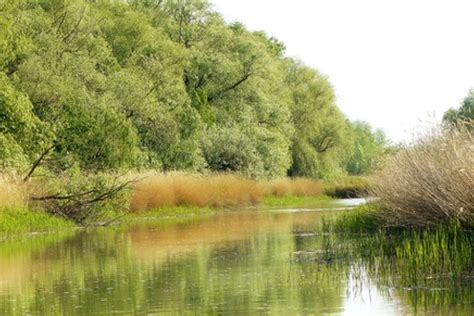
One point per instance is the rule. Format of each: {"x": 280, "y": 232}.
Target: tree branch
{"x": 37, "y": 163}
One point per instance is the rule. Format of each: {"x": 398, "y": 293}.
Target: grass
{"x": 292, "y": 187}
{"x": 361, "y": 220}
{"x": 407, "y": 257}
{"x": 12, "y": 192}
{"x": 175, "y": 189}
{"x": 296, "y": 201}
{"x": 221, "y": 190}
{"x": 160, "y": 195}
{"x": 181, "y": 210}
{"x": 14, "y": 220}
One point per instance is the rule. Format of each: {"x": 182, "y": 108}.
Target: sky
{"x": 397, "y": 64}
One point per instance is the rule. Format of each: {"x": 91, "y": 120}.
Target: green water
{"x": 249, "y": 262}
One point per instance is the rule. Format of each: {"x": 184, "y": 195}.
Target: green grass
{"x": 170, "y": 211}
{"x": 360, "y": 220}
{"x": 435, "y": 257}
{"x": 297, "y": 201}
{"x": 21, "y": 220}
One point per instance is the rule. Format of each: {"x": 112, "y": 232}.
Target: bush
{"x": 348, "y": 187}
{"x": 429, "y": 182}
{"x": 86, "y": 199}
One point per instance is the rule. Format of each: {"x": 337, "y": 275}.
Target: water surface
{"x": 240, "y": 262}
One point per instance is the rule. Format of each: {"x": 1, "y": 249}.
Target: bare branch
{"x": 37, "y": 163}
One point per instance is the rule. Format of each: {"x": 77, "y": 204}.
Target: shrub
{"x": 429, "y": 182}
{"x": 348, "y": 187}
{"x": 86, "y": 199}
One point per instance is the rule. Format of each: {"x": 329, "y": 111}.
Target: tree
{"x": 319, "y": 125}
{"x": 368, "y": 147}
{"x": 462, "y": 114}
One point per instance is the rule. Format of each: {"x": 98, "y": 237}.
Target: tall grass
{"x": 199, "y": 190}
{"x": 216, "y": 190}
{"x": 13, "y": 193}
{"x": 430, "y": 181}
{"x": 293, "y": 186}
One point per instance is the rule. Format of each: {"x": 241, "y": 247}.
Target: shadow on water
{"x": 236, "y": 263}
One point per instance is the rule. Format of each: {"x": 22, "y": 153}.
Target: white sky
{"x": 392, "y": 63}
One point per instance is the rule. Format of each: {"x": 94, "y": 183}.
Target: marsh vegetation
{"x": 162, "y": 115}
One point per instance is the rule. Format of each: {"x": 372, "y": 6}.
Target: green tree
{"x": 368, "y": 148}
{"x": 464, "y": 113}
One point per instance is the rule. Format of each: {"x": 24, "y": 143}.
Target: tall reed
{"x": 12, "y": 192}
{"x": 189, "y": 189}
{"x": 215, "y": 190}
{"x": 430, "y": 181}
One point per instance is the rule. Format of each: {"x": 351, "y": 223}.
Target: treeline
{"x": 464, "y": 114}
{"x": 167, "y": 85}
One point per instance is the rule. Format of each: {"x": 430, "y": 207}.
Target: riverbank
{"x": 157, "y": 196}
{"x": 18, "y": 220}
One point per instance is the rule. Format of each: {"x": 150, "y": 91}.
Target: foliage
{"x": 347, "y": 187}
{"x": 85, "y": 199}
{"x": 464, "y": 113}
{"x": 368, "y": 148}
{"x": 167, "y": 85}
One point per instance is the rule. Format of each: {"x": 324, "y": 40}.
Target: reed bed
{"x": 294, "y": 187}
{"x": 173, "y": 189}
{"x": 216, "y": 190}
{"x": 13, "y": 193}
{"x": 429, "y": 182}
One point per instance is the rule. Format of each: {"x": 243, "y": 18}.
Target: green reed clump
{"x": 441, "y": 256}
{"x": 437, "y": 256}
{"x": 362, "y": 219}
{"x": 444, "y": 252}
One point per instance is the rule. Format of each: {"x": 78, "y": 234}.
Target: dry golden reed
{"x": 217, "y": 190}
{"x": 429, "y": 182}
{"x": 294, "y": 186}
{"x": 12, "y": 193}
{"x": 200, "y": 190}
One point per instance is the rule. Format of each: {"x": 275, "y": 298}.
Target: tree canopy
{"x": 167, "y": 85}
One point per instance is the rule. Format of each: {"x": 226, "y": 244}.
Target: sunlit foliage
{"x": 168, "y": 85}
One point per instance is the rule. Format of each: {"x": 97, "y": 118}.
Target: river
{"x": 235, "y": 262}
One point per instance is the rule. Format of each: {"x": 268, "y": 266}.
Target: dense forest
{"x": 164, "y": 85}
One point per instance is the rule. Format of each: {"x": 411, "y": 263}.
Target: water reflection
{"x": 234, "y": 263}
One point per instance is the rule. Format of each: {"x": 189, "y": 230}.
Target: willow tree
{"x": 319, "y": 125}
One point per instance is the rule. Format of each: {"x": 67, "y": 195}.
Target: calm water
{"x": 246, "y": 262}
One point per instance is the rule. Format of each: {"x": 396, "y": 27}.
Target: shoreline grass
{"x": 172, "y": 194}
{"x": 439, "y": 256}
{"x": 296, "y": 201}
{"x": 17, "y": 220}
